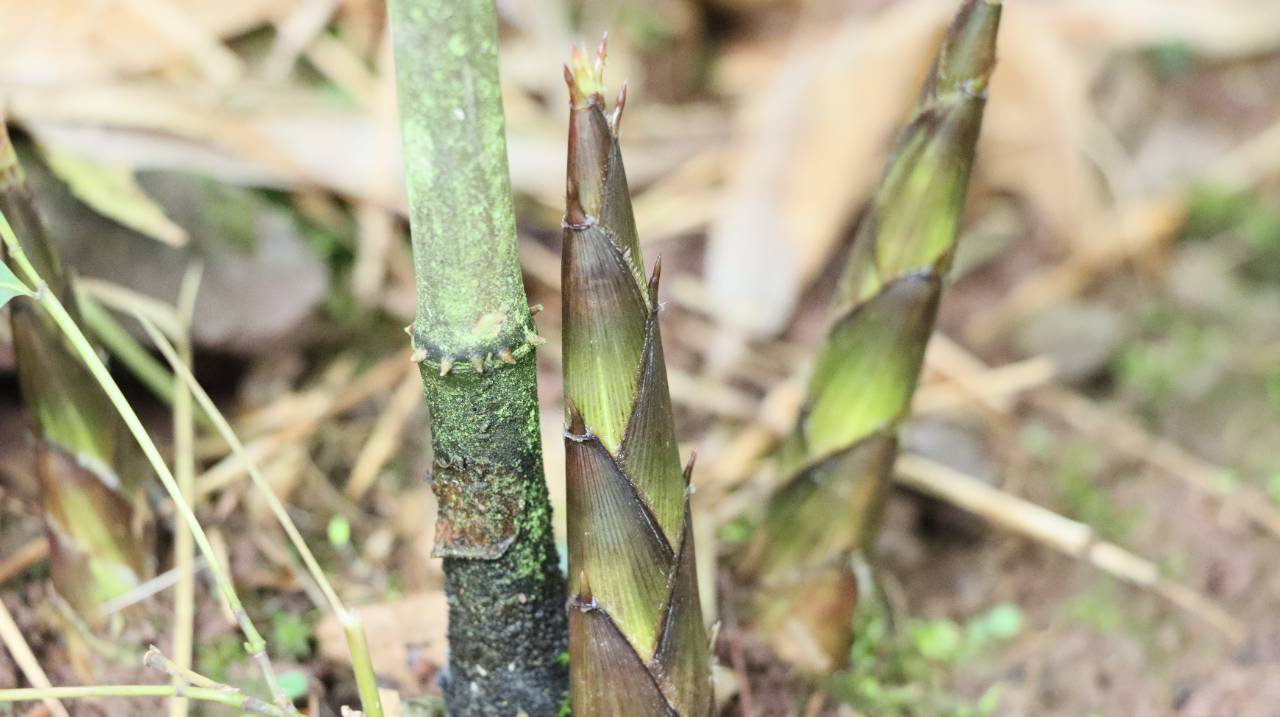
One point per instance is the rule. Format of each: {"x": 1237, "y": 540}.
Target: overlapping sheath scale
{"x": 637, "y": 643}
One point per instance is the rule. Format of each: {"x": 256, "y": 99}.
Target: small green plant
{"x": 904, "y": 672}
{"x": 1083, "y": 499}
{"x": 290, "y": 635}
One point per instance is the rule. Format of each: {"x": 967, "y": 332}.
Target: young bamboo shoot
{"x": 838, "y": 462}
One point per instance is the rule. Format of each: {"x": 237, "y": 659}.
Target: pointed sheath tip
{"x": 688, "y": 469}
{"x": 615, "y": 119}
{"x": 574, "y": 214}
{"x": 655, "y": 278}
{"x": 577, "y": 426}
{"x": 568, "y": 79}
{"x": 446, "y": 365}
{"x": 713, "y": 634}
{"x": 584, "y": 595}
{"x": 968, "y": 54}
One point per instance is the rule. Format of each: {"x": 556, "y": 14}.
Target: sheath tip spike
{"x": 584, "y": 595}
{"x": 655, "y": 277}
{"x": 615, "y": 120}
{"x": 577, "y": 426}
{"x": 688, "y": 469}
{"x": 574, "y": 214}
{"x": 446, "y": 365}
{"x": 968, "y": 54}
{"x": 568, "y": 79}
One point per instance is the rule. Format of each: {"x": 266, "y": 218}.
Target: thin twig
{"x": 181, "y": 675}
{"x": 154, "y": 586}
{"x": 293, "y": 33}
{"x": 242, "y": 702}
{"x": 48, "y": 300}
{"x": 384, "y": 439}
{"x": 184, "y": 466}
{"x": 359, "y": 652}
{"x": 31, "y": 552}
{"x": 379, "y": 378}
{"x": 1124, "y": 436}
{"x": 1067, "y": 536}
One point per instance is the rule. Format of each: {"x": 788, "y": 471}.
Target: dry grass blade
{"x": 185, "y": 33}
{"x": 303, "y": 424}
{"x": 297, "y": 30}
{"x": 184, "y": 471}
{"x": 384, "y": 439}
{"x": 25, "y": 660}
{"x": 18, "y": 561}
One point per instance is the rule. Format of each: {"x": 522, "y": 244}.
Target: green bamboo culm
{"x": 474, "y": 339}
{"x": 837, "y": 464}
{"x": 637, "y": 644}
{"x": 91, "y": 474}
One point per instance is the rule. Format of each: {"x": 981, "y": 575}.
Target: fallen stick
{"x": 24, "y": 557}
{"x": 1062, "y": 534}
{"x": 1124, "y": 436}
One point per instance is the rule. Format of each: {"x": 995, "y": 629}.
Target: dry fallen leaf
{"x": 1216, "y": 29}
{"x": 113, "y": 192}
{"x": 74, "y": 41}
{"x": 400, "y": 633}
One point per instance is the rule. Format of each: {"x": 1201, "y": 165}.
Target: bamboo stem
{"x": 474, "y": 340}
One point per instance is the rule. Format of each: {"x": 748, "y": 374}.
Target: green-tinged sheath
{"x": 91, "y": 473}
{"x": 637, "y": 644}
{"x": 474, "y": 339}
{"x": 838, "y": 462}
